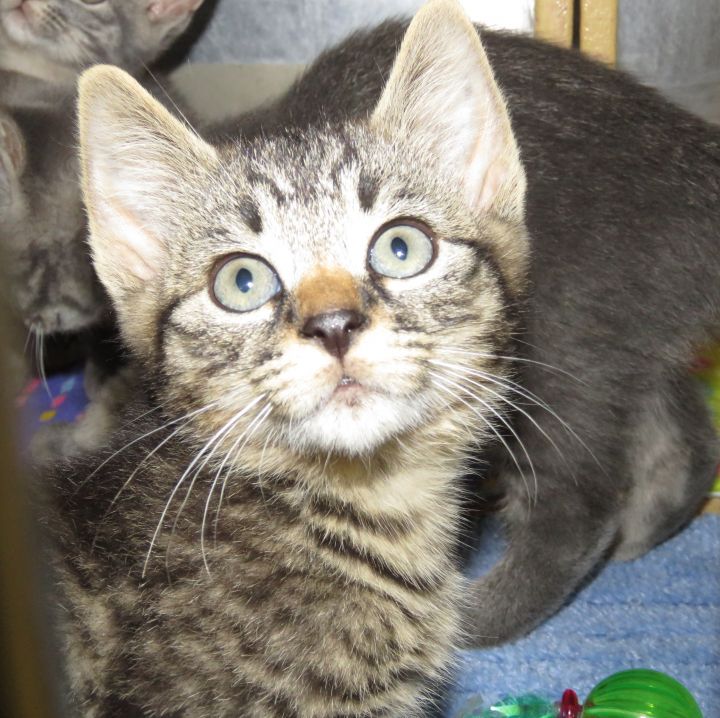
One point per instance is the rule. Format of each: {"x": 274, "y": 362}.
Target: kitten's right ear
{"x": 134, "y": 156}
{"x": 442, "y": 96}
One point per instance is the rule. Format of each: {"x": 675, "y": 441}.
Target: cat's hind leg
{"x": 672, "y": 458}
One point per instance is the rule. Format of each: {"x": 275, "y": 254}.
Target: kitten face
{"x": 306, "y": 214}
{"x": 330, "y": 292}
{"x": 80, "y": 33}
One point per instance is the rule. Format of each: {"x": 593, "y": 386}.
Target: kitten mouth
{"x": 348, "y": 391}
{"x": 347, "y": 381}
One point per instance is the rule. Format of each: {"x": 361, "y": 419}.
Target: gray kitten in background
{"x": 610, "y": 448}
{"x": 44, "y": 45}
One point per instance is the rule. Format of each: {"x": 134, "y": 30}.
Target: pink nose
{"x": 334, "y": 329}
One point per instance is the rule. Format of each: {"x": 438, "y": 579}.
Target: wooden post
{"x": 27, "y": 685}
{"x": 598, "y": 29}
{"x": 554, "y": 21}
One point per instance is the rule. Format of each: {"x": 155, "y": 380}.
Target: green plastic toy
{"x": 640, "y": 694}
{"x": 637, "y": 693}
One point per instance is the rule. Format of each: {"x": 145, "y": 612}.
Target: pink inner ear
{"x": 168, "y": 9}
{"x": 10, "y": 139}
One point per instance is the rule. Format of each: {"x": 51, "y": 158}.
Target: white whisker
{"x": 531, "y": 397}
{"x": 246, "y": 435}
{"x": 206, "y": 447}
{"x": 40, "y": 358}
{"x": 524, "y": 360}
{"x": 503, "y": 398}
{"x": 511, "y": 453}
{"x": 167, "y": 425}
{"x": 132, "y": 476}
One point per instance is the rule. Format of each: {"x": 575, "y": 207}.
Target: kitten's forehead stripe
{"x": 250, "y": 213}
{"x": 256, "y": 178}
{"x": 368, "y": 188}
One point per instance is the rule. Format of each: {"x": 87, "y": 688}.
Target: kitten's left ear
{"x": 443, "y": 97}
{"x": 140, "y": 166}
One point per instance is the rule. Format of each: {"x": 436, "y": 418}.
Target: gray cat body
{"x": 623, "y": 211}
{"x": 54, "y": 285}
{"x": 273, "y": 531}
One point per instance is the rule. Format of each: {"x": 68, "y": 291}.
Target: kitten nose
{"x": 334, "y": 329}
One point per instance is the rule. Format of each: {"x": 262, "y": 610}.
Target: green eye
{"x": 402, "y": 250}
{"x": 242, "y": 283}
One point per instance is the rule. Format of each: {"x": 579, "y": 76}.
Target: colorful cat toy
{"x": 635, "y": 693}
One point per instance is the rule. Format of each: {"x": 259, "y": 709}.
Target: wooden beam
{"x": 598, "y": 29}
{"x": 554, "y": 21}
{"x": 27, "y": 687}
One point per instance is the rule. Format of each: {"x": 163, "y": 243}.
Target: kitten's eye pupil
{"x": 244, "y": 280}
{"x": 399, "y": 248}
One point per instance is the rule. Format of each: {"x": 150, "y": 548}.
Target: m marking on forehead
{"x": 250, "y": 213}
{"x": 327, "y": 289}
{"x": 258, "y": 179}
{"x": 368, "y": 188}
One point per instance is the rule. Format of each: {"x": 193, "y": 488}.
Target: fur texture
{"x": 623, "y": 212}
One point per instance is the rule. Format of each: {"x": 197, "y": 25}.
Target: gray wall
{"x": 674, "y": 45}
{"x": 287, "y": 31}
{"x": 670, "y": 44}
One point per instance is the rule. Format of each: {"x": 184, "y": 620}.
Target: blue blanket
{"x": 661, "y": 611}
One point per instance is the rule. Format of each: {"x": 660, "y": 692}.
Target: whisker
{"x": 511, "y": 453}
{"x": 217, "y": 375}
{"x": 171, "y": 101}
{"x": 246, "y": 435}
{"x": 512, "y": 431}
{"x": 167, "y": 425}
{"x": 40, "y": 359}
{"x": 28, "y": 338}
{"x": 131, "y": 477}
{"x": 210, "y": 443}
{"x": 507, "y": 401}
{"x": 533, "y": 398}
{"x": 524, "y": 360}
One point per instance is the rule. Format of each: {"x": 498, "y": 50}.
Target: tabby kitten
{"x": 274, "y": 532}
{"x": 46, "y": 44}
{"x": 610, "y": 449}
